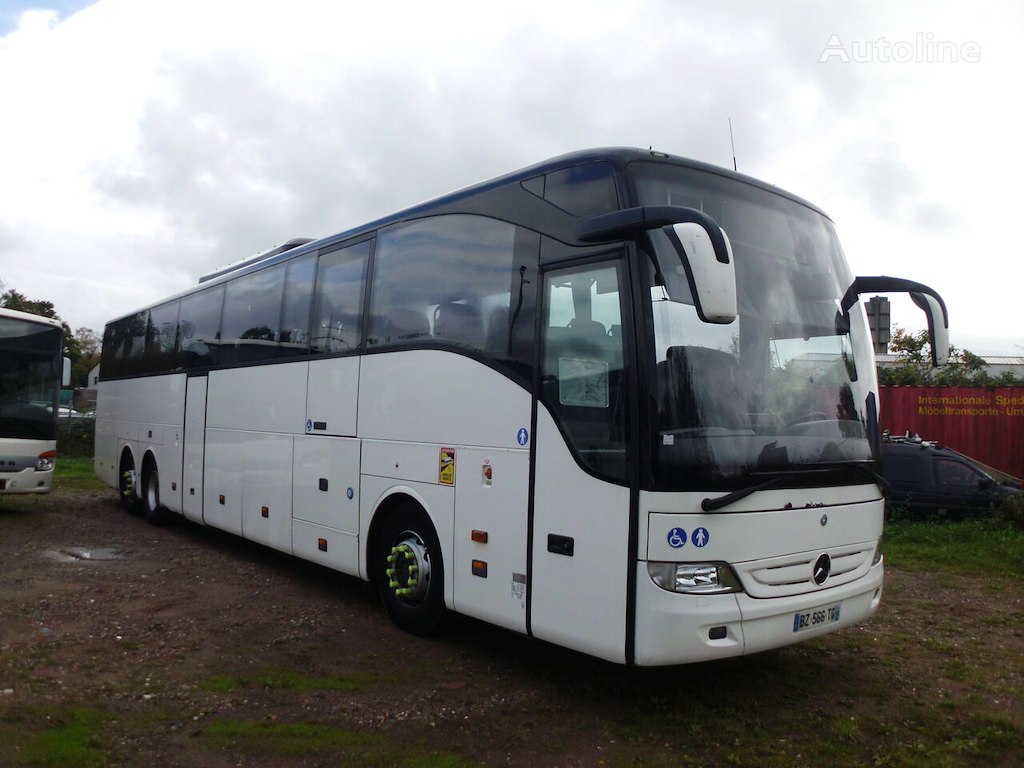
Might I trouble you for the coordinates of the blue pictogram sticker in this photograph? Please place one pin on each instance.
(700, 537)
(309, 425)
(523, 437)
(676, 538)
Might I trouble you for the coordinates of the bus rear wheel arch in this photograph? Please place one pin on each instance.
(408, 569)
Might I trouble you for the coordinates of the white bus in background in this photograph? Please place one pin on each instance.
(32, 369)
(619, 401)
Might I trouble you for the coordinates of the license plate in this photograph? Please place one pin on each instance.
(818, 617)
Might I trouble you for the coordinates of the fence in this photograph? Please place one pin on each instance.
(986, 423)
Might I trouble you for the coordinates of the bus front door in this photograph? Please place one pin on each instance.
(580, 555)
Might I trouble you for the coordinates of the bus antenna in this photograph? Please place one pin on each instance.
(733, 142)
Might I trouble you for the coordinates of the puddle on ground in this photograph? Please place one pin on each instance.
(85, 554)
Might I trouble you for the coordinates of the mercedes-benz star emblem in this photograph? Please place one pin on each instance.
(822, 568)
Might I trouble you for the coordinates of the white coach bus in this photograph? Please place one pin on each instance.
(619, 401)
(32, 368)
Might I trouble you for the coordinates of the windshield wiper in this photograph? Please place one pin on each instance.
(713, 505)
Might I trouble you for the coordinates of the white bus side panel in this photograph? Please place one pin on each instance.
(430, 396)
(325, 512)
(265, 398)
(247, 408)
(578, 601)
(412, 405)
(267, 489)
(195, 443)
(143, 414)
(332, 394)
(326, 475)
(491, 498)
(222, 480)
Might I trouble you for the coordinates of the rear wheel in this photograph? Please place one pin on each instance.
(155, 513)
(126, 483)
(409, 571)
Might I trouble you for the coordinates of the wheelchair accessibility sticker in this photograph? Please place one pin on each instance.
(677, 538)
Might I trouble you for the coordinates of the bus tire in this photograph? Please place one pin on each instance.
(409, 571)
(126, 484)
(156, 514)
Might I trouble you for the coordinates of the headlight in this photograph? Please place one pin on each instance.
(694, 578)
(46, 461)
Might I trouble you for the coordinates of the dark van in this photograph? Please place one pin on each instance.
(927, 479)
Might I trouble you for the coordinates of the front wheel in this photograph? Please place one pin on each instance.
(409, 572)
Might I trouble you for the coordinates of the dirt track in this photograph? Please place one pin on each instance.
(183, 646)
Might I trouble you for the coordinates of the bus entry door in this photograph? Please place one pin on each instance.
(580, 553)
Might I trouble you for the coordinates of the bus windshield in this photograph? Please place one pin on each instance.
(784, 387)
(31, 354)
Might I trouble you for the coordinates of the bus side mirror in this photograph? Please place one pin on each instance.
(65, 377)
(926, 298)
(712, 278)
(938, 332)
(702, 246)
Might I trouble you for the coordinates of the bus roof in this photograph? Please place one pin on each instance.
(28, 317)
(618, 157)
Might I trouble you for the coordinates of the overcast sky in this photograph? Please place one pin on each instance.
(144, 142)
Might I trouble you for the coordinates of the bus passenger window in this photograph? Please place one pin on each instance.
(293, 333)
(199, 328)
(252, 311)
(440, 280)
(339, 297)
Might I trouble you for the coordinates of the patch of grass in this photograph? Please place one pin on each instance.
(288, 680)
(76, 474)
(74, 741)
(284, 738)
(352, 747)
(972, 547)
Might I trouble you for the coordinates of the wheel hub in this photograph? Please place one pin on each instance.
(128, 483)
(408, 570)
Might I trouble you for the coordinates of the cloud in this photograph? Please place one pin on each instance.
(145, 144)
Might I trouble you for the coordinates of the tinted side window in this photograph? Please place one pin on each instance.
(114, 345)
(902, 470)
(446, 280)
(134, 337)
(950, 472)
(293, 335)
(162, 339)
(252, 311)
(199, 328)
(339, 298)
(581, 190)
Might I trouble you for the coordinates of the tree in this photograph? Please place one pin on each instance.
(913, 366)
(12, 299)
(82, 346)
(88, 355)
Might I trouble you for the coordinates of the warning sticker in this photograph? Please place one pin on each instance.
(446, 467)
